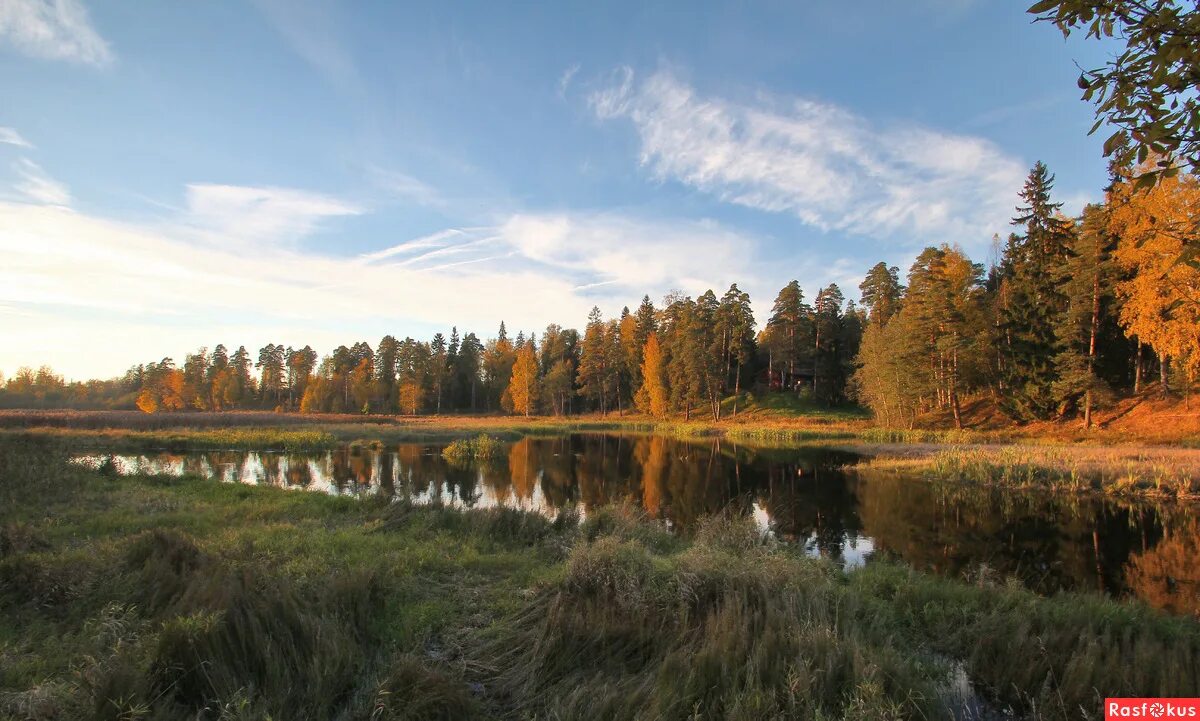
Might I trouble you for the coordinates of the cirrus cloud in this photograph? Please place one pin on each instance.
(53, 30)
(829, 167)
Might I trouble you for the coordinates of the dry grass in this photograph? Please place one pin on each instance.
(1119, 470)
(152, 598)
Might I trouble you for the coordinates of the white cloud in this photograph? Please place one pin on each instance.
(234, 213)
(62, 265)
(564, 80)
(72, 280)
(9, 136)
(433, 240)
(53, 29)
(37, 186)
(404, 186)
(632, 255)
(826, 165)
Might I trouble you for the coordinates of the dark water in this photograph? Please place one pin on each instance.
(811, 497)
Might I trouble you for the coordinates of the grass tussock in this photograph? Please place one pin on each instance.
(730, 627)
(482, 448)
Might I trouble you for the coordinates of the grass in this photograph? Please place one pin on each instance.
(216, 439)
(1146, 472)
(480, 448)
(152, 597)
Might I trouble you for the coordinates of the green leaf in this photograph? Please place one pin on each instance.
(1043, 6)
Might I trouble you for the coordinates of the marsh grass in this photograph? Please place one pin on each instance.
(155, 598)
(256, 439)
(1070, 469)
(480, 449)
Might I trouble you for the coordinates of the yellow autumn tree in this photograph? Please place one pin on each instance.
(1161, 295)
(147, 401)
(522, 388)
(410, 397)
(522, 469)
(652, 397)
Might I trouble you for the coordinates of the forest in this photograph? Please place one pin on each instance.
(1071, 314)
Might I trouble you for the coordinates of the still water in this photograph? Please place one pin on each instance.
(811, 497)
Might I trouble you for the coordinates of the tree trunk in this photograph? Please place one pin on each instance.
(1163, 361)
(737, 384)
(1137, 369)
(954, 389)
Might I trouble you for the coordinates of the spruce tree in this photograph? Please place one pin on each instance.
(1034, 302)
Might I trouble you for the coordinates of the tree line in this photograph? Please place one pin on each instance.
(1074, 313)
(684, 356)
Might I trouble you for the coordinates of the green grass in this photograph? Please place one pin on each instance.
(156, 598)
(481, 448)
(789, 405)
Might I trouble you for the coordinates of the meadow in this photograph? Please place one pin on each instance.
(155, 597)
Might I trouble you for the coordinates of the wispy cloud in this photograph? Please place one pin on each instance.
(163, 292)
(433, 240)
(54, 30)
(310, 28)
(564, 80)
(9, 136)
(829, 167)
(36, 185)
(631, 254)
(263, 215)
(404, 186)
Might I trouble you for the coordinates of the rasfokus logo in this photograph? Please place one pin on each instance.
(1151, 708)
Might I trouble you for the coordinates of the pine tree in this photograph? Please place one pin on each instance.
(735, 326)
(301, 364)
(439, 368)
(242, 386)
(387, 360)
(790, 333)
(829, 383)
(881, 292)
(677, 332)
(706, 350)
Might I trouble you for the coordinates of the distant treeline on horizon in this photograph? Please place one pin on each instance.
(1077, 312)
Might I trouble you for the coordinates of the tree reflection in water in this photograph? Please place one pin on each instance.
(811, 496)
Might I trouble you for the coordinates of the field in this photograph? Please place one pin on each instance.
(149, 597)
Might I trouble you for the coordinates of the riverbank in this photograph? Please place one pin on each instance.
(155, 597)
(1132, 471)
(778, 418)
(1123, 469)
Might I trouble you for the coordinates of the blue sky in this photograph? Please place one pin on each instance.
(176, 175)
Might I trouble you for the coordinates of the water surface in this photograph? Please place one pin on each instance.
(811, 497)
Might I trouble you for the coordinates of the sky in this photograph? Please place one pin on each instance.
(178, 175)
